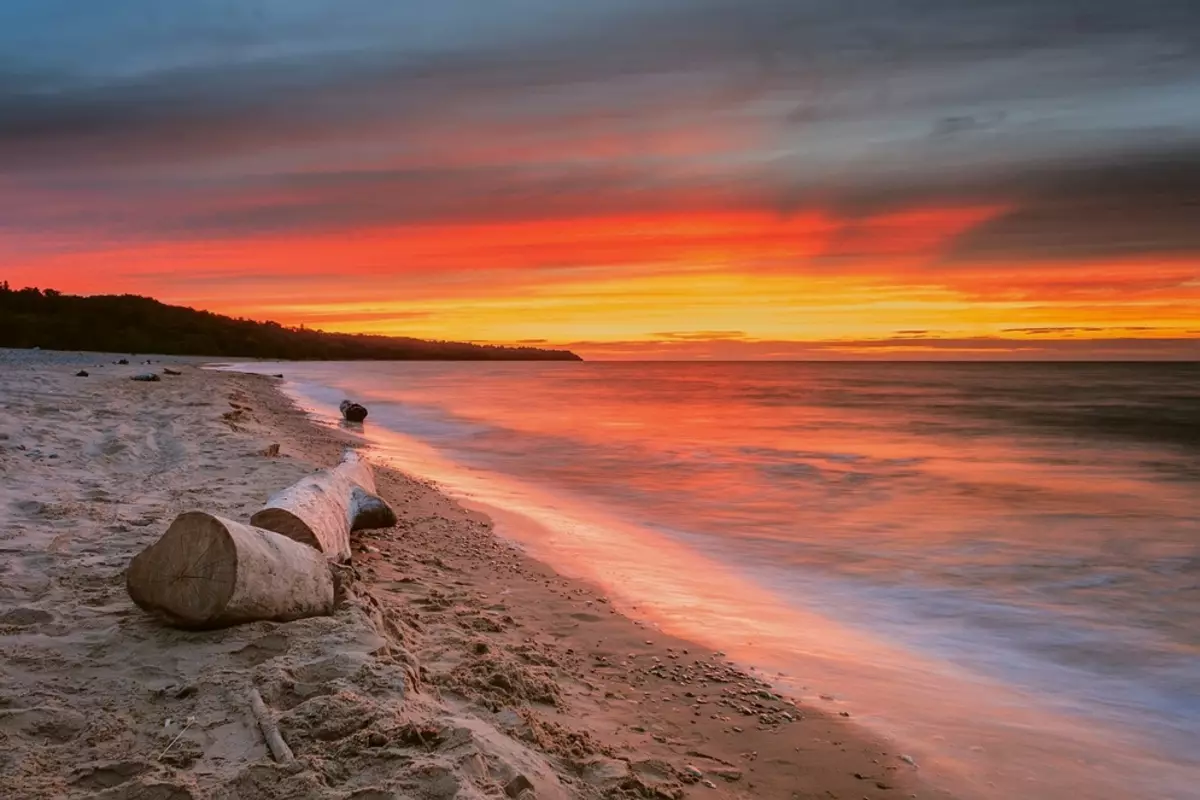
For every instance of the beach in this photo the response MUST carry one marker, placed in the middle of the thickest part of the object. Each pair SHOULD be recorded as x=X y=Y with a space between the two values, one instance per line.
x=456 y=666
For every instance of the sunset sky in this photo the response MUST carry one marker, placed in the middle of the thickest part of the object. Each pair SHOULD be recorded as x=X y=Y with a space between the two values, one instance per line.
x=628 y=178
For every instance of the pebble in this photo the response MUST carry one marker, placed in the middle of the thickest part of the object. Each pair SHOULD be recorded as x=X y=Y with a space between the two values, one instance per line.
x=518 y=786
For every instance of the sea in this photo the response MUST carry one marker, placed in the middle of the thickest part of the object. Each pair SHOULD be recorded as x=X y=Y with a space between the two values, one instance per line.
x=995 y=565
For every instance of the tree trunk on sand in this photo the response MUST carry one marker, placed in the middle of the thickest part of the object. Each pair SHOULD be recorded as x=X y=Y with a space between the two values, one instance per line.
x=211 y=572
x=323 y=508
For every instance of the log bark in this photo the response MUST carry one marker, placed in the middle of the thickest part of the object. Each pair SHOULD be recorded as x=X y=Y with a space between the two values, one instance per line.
x=210 y=572
x=323 y=508
x=353 y=412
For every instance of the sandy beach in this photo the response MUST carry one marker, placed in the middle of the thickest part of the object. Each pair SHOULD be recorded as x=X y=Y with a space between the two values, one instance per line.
x=455 y=667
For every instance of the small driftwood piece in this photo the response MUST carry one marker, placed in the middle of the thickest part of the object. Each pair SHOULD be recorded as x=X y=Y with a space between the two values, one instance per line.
x=169 y=371
x=210 y=572
x=270 y=731
x=322 y=509
x=353 y=412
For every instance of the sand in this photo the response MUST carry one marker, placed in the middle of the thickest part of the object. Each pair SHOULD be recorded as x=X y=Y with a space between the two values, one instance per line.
x=455 y=667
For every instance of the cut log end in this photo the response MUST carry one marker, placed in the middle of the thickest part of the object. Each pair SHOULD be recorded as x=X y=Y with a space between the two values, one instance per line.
x=188 y=575
x=211 y=572
x=284 y=522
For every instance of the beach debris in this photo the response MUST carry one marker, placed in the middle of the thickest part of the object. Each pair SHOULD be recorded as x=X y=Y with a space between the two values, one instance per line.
x=270 y=451
x=270 y=730
x=278 y=375
x=187 y=724
x=912 y=762
x=83 y=373
x=210 y=572
x=147 y=376
x=323 y=508
x=353 y=412
x=122 y=361
x=169 y=371
x=518 y=786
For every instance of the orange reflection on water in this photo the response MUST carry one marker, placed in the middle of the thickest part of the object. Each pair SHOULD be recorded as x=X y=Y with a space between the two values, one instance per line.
x=979 y=738
x=982 y=738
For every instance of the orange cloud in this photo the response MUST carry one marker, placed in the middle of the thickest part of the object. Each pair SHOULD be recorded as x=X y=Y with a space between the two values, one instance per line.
x=669 y=284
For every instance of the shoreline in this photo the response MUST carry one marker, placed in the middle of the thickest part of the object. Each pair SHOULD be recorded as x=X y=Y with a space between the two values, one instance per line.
x=509 y=667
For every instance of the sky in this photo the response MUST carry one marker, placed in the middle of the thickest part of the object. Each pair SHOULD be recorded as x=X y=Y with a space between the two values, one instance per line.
x=627 y=178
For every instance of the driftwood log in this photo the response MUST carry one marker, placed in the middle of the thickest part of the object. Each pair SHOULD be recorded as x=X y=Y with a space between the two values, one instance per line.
x=211 y=572
x=322 y=509
x=353 y=412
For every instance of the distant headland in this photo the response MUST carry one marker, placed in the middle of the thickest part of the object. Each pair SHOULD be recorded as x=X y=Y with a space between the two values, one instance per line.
x=133 y=324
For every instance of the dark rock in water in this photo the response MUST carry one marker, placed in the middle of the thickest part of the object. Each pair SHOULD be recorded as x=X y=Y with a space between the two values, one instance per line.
x=83 y=373
x=122 y=360
x=353 y=412
x=147 y=376
x=169 y=371
x=370 y=512
x=278 y=374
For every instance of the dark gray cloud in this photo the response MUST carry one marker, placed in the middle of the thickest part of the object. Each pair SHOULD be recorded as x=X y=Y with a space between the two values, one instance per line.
x=146 y=118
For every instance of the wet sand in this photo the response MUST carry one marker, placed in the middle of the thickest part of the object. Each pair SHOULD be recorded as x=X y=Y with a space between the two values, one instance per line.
x=456 y=667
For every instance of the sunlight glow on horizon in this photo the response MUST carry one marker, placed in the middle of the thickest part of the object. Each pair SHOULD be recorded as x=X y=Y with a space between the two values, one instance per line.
x=685 y=285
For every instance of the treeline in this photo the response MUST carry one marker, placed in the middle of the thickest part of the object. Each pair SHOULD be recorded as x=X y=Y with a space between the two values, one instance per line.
x=132 y=324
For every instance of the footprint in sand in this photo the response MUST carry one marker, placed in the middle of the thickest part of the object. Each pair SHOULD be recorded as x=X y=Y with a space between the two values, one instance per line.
x=263 y=649
x=47 y=723
x=24 y=617
x=106 y=774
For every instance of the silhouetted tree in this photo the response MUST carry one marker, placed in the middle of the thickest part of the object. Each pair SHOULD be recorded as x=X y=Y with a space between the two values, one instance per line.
x=132 y=324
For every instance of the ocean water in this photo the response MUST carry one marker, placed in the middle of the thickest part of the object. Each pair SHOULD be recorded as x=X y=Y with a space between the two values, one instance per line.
x=997 y=565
